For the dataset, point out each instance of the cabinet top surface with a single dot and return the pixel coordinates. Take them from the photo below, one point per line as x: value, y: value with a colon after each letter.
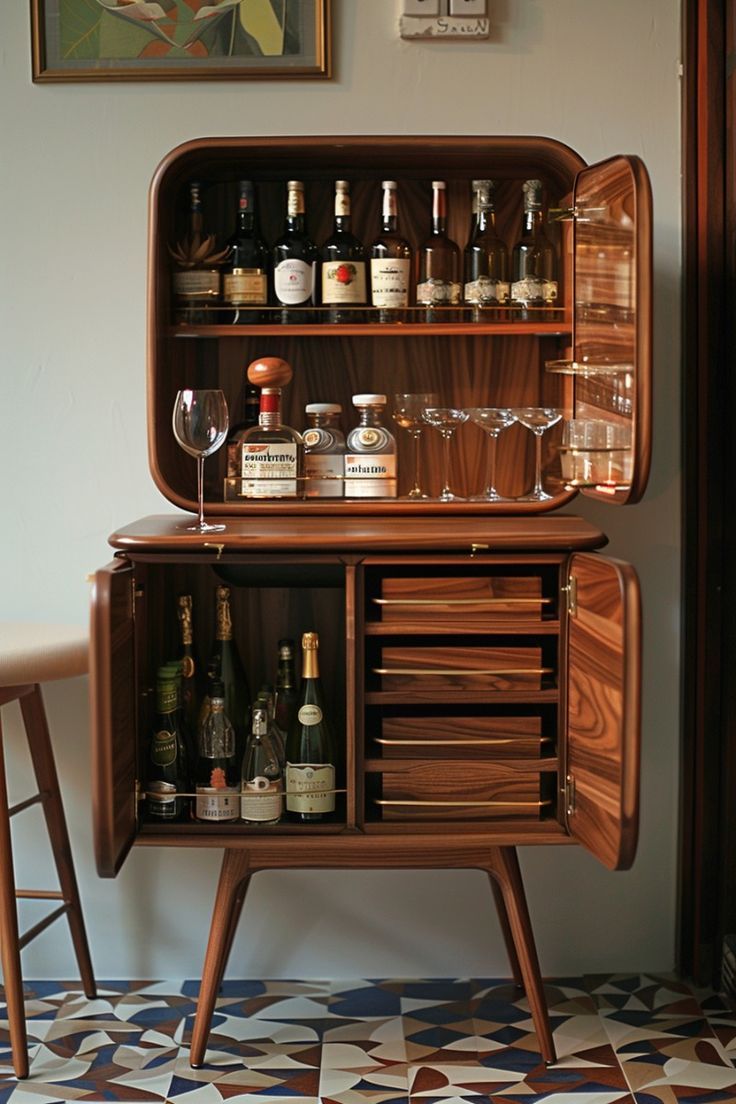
x: 162, y: 533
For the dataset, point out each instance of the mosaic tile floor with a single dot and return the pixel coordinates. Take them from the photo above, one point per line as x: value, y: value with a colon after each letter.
x: 619, y: 1038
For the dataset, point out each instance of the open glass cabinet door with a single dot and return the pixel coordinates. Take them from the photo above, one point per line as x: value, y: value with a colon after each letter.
x: 113, y: 705
x: 603, y: 708
x: 607, y: 448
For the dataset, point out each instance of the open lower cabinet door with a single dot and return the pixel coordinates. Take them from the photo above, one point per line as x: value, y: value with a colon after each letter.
x: 112, y: 692
x: 603, y: 708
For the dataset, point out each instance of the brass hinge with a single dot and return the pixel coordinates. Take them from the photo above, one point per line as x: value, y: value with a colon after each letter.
x: 571, y: 593
x: 135, y: 592
x: 575, y: 214
x: 570, y: 795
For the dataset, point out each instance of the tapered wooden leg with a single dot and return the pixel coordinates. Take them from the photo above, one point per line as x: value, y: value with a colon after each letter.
x: 9, y: 949
x: 504, y: 868
x: 42, y: 756
x: 231, y: 890
x: 503, y: 918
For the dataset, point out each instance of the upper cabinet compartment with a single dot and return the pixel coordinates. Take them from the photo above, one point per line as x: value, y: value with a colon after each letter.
x: 494, y: 352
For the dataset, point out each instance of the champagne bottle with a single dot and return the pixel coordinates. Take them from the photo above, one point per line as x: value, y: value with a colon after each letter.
x: 486, y: 256
x: 310, y: 750
x: 295, y: 259
x: 191, y: 681
x: 261, y: 783
x: 438, y: 278
x: 286, y: 697
x: 534, y: 259
x: 245, y: 280
x: 230, y: 670
x: 343, y: 265
x: 390, y: 261
x: 166, y: 773
x: 217, y: 790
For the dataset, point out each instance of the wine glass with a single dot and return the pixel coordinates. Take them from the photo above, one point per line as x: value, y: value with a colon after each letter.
x: 407, y: 413
x: 494, y: 420
x: 538, y: 419
x: 200, y: 422
x: 445, y: 419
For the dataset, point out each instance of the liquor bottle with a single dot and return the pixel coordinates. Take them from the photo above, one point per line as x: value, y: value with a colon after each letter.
x: 250, y: 404
x: 486, y: 256
x: 197, y: 261
x: 271, y: 453
x: 229, y: 670
x: 534, y: 259
x: 166, y: 770
x: 438, y: 275
x: 310, y: 749
x: 295, y: 259
x: 261, y: 779
x: 343, y: 282
x: 245, y: 280
x: 192, y: 689
x: 286, y: 698
x: 206, y: 705
x: 390, y: 261
x: 217, y: 791
x: 324, y: 451
x: 266, y: 699
x: 370, y: 460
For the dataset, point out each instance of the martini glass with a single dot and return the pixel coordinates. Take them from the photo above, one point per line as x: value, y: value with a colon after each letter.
x: 407, y: 413
x: 445, y: 419
x: 538, y: 419
x: 494, y: 420
x: 200, y: 422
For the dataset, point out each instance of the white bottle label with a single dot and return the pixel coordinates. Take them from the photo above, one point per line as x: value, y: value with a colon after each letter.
x: 261, y: 799
x: 534, y: 289
x: 343, y: 282
x: 269, y: 471
x: 434, y: 292
x: 390, y: 281
x: 324, y: 473
x: 310, y: 788
x: 370, y: 475
x: 309, y: 715
x: 293, y: 282
x: 216, y: 804
x: 486, y: 290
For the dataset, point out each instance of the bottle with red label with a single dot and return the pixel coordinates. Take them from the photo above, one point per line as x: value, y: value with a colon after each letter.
x: 343, y: 267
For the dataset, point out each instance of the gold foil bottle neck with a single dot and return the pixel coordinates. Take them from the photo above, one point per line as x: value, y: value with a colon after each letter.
x: 185, y: 618
x: 224, y: 622
x: 310, y: 663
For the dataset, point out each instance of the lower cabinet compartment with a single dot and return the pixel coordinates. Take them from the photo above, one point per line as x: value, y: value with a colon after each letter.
x: 431, y: 732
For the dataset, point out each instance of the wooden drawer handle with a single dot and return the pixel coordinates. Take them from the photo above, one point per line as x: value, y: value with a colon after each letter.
x: 461, y: 601
x: 461, y: 804
x: 490, y: 671
x: 478, y: 742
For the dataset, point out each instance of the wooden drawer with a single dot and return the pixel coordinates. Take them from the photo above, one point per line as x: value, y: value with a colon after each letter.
x: 452, y: 790
x: 458, y: 736
x: 448, y: 598
x: 421, y: 668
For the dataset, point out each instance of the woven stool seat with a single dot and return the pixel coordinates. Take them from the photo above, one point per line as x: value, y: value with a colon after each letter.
x: 41, y: 653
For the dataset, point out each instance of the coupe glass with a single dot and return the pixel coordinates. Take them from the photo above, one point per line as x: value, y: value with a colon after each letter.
x: 200, y: 423
x: 445, y: 419
x: 494, y: 420
x: 538, y: 419
x: 407, y: 413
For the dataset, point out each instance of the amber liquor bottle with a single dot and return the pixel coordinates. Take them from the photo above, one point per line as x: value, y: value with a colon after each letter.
x: 438, y: 275
x: 534, y: 258
x: 486, y: 257
x: 245, y: 279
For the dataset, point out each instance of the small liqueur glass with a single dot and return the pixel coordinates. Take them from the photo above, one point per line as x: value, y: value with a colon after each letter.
x: 538, y: 419
x: 445, y: 419
x: 408, y: 414
x: 200, y: 422
x: 494, y: 420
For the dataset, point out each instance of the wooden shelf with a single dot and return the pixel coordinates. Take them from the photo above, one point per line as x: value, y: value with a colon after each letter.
x: 460, y: 697
x: 466, y: 628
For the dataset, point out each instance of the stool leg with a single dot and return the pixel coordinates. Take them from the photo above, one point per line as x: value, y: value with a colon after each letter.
x: 9, y: 949
x: 42, y: 756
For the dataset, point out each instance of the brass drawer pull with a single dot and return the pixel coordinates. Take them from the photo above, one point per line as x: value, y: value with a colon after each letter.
x: 490, y: 671
x: 461, y: 601
x: 461, y: 804
x: 478, y: 742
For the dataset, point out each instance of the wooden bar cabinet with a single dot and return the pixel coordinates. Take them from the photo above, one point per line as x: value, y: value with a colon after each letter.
x: 482, y: 659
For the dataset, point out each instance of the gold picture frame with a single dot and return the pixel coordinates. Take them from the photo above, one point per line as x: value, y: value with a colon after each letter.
x: 164, y: 40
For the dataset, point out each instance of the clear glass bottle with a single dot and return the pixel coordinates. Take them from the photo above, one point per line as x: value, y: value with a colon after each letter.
x: 343, y: 276
x: 267, y: 700
x: 438, y: 276
x: 324, y: 451
x: 486, y: 256
x: 295, y: 258
x: 370, y: 459
x: 391, y: 257
x: 310, y: 749
x: 534, y: 258
x: 245, y: 278
x: 271, y: 453
x: 217, y: 788
x: 261, y: 780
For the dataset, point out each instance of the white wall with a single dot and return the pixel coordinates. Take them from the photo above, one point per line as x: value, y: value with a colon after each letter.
x: 76, y: 165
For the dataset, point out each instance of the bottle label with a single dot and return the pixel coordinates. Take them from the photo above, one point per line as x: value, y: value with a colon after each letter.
x: 343, y: 282
x: 310, y: 788
x: 216, y: 803
x: 269, y: 471
x: 293, y: 282
x: 163, y: 748
x: 434, y: 292
x: 261, y: 799
x: 324, y: 474
x: 533, y: 289
x: 309, y: 715
x: 390, y: 281
x: 161, y: 798
x: 192, y: 283
x: 370, y: 466
x: 486, y: 291
x: 244, y: 287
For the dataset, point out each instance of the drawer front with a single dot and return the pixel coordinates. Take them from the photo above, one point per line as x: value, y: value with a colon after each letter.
x: 421, y: 668
x: 451, y: 790
x: 484, y: 598
x: 458, y: 736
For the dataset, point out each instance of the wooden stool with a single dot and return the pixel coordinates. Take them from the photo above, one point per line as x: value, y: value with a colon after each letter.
x: 30, y: 655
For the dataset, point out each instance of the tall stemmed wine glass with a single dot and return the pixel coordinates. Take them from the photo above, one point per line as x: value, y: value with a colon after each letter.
x: 200, y: 422
x: 407, y: 413
x: 494, y: 420
x: 538, y: 419
x: 445, y: 419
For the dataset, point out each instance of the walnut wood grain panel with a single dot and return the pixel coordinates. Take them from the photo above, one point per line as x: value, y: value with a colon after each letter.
x: 113, y: 723
x: 485, y: 598
x: 454, y: 735
x: 603, y: 708
x: 451, y: 790
x: 436, y: 669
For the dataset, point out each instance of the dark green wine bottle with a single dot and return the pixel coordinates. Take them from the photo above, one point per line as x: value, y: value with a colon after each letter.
x: 167, y: 770
x: 287, y: 697
x: 310, y: 748
x: 230, y: 671
x: 192, y: 683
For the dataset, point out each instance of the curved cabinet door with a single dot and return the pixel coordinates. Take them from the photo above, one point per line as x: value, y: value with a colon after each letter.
x: 113, y: 698
x: 603, y: 708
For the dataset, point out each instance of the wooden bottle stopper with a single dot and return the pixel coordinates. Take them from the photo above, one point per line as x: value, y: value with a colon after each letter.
x: 269, y: 372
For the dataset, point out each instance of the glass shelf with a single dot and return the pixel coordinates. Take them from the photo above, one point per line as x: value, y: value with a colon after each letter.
x: 588, y: 368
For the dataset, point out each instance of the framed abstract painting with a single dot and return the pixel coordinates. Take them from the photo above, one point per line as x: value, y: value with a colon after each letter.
x: 180, y: 39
